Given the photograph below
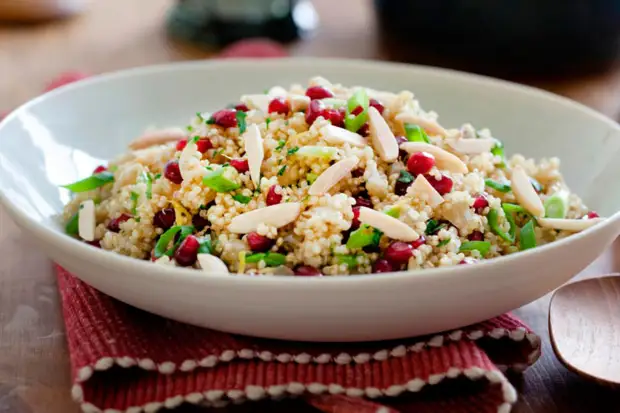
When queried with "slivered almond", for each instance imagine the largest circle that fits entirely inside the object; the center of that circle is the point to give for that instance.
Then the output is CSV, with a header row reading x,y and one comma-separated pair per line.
x,y
255,151
259,102
422,189
212,264
320,81
332,175
574,225
277,91
299,102
443,158
430,126
390,226
525,193
275,215
87,220
382,136
157,137
472,146
335,135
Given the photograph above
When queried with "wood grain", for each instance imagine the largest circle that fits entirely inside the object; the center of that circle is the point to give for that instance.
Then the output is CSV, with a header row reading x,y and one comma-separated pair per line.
x,y
117,34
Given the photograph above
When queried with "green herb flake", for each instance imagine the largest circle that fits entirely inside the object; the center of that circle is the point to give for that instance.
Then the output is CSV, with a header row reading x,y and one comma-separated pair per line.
x,y
195,139
498,186
217,152
134,203
71,227
157,176
415,133
281,144
527,236
482,247
161,247
433,226
271,259
349,260
443,242
221,180
210,121
292,151
498,150
241,115
362,237
204,245
405,177
267,121
190,128
92,182
493,219
394,212
311,177
148,180
354,122
281,170
242,198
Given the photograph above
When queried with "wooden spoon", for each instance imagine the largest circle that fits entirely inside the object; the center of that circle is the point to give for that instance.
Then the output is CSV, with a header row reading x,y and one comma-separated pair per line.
x,y
584,324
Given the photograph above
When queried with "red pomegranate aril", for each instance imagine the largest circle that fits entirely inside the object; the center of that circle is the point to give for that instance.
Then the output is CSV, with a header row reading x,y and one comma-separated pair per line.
x,y
307,271
480,203
442,185
100,169
274,195
364,130
382,265
400,188
204,145
241,165
242,107
355,224
165,218
418,243
468,260
592,215
476,236
226,118
279,105
420,163
172,172
335,116
398,252
199,222
95,243
258,243
377,105
187,252
363,202
181,144
357,172
315,109
114,225
318,92
357,110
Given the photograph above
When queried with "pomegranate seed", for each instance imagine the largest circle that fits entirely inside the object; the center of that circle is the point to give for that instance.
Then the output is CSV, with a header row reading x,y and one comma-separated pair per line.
x,y
226,118
181,144
307,271
242,107
382,265
418,243
468,260
480,203
241,165
165,218
364,130
398,252
592,215
400,139
442,185
96,243
315,109
476,236
274,197
172,172
357,172
335,116
377,105
420,163
355,224
318,92
400,187
279,105
114,225
100,169
357,110
204,145
363,202
187,252
258,243
199,222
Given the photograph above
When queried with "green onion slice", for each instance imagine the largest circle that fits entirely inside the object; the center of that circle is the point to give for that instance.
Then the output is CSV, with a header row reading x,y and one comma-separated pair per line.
x,y
146,178
349,260
311,177
498,150
134,203
71,227
498,186
354,122
415,133
482,247
92,182
493,218
394,212
204,245
363,236
443,242
222,179
317,152
405,177
242,199
161,247
241,115
527,237
272,259
556,206
433,226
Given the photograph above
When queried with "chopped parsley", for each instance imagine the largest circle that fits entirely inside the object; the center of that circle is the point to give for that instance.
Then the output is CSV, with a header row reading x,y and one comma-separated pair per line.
x,y
241,115
134,208
281,144
190,128
405,177
443,242
267,121
195,139
146,178
433,226
292,150
217,152
242,198
157,176
281,171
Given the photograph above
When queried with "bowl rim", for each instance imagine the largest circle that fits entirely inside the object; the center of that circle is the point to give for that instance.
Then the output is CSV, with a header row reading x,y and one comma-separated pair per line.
x,y
101,257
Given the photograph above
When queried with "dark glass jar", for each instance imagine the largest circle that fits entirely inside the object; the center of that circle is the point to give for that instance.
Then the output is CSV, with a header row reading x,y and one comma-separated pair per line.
x,y
509,38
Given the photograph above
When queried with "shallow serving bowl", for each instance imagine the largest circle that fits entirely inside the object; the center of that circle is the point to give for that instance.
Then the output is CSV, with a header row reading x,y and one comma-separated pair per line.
x,y
61,136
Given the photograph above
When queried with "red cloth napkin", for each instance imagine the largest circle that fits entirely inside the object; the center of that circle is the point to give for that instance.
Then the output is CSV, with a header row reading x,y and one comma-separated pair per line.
x,y
127,360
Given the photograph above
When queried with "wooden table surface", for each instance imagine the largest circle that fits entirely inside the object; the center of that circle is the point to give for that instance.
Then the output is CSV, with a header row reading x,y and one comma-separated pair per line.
x,y
116,34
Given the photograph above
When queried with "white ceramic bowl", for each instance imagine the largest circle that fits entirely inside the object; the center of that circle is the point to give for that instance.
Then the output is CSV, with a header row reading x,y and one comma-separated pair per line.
x,y
61,136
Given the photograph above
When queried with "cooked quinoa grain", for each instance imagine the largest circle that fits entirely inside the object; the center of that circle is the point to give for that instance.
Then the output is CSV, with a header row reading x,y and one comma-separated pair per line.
x,y
324,180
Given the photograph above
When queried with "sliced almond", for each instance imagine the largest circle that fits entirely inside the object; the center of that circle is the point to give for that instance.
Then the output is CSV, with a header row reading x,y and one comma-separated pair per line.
x,y
430,126
390,226
563,224
212,264
276,216
87,220
471,146
258,102
423,190
335,135
332,175
277,91
299,102
382,136
320,81
255,151
525,193
157,137
443,158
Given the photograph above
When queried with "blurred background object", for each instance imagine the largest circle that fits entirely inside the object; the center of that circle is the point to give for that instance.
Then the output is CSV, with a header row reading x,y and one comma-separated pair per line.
x,y
36,10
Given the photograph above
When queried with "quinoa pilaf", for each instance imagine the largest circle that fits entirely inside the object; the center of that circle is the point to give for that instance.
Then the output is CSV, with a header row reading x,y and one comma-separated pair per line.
x,y
322,180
